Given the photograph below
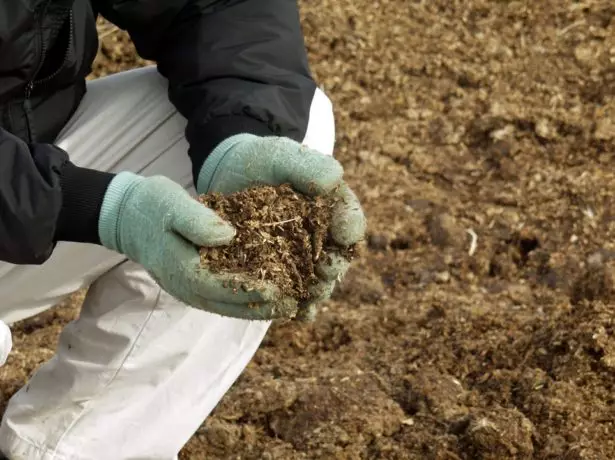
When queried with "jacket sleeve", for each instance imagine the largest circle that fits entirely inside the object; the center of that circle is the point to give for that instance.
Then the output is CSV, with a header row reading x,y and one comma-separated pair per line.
x,y
232,66
44,198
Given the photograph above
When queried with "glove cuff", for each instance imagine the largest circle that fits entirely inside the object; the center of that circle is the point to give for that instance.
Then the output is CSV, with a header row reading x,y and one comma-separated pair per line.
x,y
210,166
108,222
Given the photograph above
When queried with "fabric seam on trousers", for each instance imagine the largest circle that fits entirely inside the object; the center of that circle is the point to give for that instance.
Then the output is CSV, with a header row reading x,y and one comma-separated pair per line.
x,y
12,436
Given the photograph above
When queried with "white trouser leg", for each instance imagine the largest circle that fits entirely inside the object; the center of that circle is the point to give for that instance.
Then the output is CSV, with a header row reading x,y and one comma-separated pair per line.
x,y
136,374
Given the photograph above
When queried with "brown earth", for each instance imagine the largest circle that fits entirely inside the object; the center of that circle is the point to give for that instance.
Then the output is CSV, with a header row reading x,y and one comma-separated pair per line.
x,y
480,323
281,237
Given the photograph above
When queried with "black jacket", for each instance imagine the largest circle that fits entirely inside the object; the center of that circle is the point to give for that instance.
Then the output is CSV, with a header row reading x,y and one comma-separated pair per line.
x,y
232,66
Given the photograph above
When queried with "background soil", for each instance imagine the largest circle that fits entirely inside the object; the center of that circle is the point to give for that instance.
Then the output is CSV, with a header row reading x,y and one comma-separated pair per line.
x,y
480,322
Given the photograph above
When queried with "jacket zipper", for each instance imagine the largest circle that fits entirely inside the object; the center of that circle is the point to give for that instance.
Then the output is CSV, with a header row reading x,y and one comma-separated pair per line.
x,y
32,83
28,111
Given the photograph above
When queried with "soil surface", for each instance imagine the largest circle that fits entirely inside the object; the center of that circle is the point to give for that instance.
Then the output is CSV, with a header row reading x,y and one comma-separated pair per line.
x,y
479,324
280,237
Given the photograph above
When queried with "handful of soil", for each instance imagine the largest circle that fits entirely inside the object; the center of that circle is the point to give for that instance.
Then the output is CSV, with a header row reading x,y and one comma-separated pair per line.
x,y
281,235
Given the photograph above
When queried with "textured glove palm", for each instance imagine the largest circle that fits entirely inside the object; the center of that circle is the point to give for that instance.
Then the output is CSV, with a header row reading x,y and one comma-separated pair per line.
x,y
156,223
245,160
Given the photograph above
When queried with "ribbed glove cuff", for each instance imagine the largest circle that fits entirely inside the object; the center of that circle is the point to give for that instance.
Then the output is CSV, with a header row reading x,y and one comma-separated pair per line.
x,y
110,212
213,161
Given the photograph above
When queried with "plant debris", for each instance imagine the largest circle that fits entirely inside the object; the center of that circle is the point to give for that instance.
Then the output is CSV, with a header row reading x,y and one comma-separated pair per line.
x,y
281,236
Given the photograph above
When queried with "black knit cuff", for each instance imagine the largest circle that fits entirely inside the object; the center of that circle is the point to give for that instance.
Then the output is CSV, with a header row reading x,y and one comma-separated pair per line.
x,y
83,191
215,131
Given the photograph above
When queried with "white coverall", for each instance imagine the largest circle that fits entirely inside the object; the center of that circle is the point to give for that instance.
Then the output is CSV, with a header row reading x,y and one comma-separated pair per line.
x,y
138,372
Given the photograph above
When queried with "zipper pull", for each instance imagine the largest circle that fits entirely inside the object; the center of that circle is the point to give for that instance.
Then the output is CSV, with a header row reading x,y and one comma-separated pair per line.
x,y
28,111
29,88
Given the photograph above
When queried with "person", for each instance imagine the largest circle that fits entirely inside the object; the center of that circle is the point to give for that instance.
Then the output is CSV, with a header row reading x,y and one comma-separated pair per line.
x,y
97,189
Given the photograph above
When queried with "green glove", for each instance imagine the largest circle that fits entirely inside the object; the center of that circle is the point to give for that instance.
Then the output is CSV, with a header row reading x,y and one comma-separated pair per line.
x,y
156,223
245,160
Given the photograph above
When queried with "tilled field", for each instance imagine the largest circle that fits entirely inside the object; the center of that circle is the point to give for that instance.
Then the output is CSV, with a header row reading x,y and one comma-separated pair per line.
x,y
480,321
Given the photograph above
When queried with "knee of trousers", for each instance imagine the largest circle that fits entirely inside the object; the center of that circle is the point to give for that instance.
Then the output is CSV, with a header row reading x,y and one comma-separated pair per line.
x,y
320,132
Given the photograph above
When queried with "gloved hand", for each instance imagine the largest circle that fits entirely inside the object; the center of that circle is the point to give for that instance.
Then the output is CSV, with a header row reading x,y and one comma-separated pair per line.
x,y
156,223
246,160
